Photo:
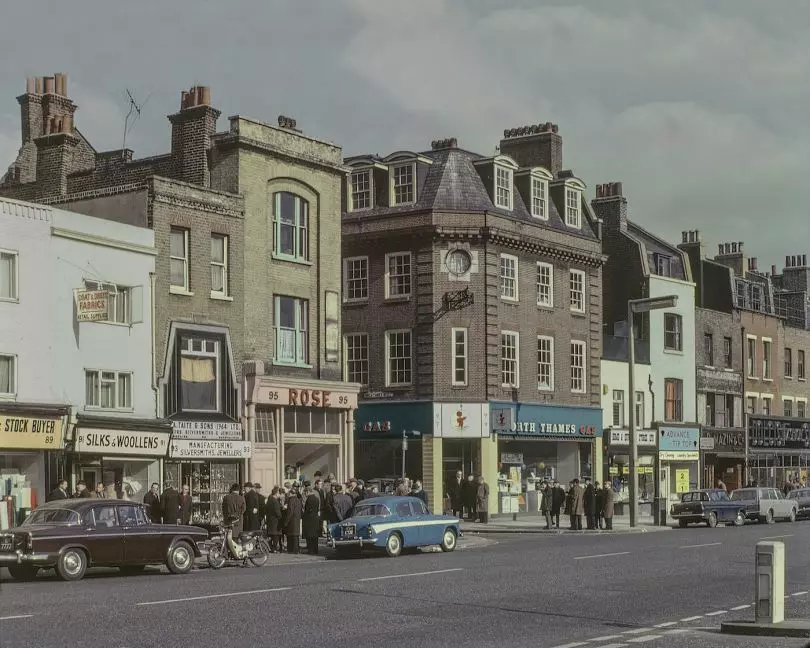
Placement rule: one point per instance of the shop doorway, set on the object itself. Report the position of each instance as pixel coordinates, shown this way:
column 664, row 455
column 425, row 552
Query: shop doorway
column 460, row 454
column 91, row 475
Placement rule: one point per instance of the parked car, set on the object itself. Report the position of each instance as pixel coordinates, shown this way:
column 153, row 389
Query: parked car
column 393, row 524
column 802, row 497
column 710, row 505
column 72, row 535
column 766, row 505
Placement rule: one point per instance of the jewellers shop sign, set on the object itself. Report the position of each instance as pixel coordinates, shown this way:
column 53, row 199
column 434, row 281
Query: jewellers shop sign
column 766, row 433
column 122, row 442
column 220, row 430
column 209, row 449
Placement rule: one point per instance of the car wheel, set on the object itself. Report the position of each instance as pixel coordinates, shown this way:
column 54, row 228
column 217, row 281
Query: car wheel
column 181, row 558
column 131, row 570
column 72, row 565
column 393, row 546
column 740, row 519
column 23, row 572
column 683, row 524
column 792, row 515
column 712, row 521
column 769, row 517
column 448, row 540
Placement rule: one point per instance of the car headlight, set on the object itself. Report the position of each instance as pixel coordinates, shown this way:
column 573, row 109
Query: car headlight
column 371, row 531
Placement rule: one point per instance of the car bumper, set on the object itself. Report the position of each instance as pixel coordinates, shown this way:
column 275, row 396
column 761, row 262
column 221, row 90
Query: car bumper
column 689, row 517
column 354, row 542
column 20, row 558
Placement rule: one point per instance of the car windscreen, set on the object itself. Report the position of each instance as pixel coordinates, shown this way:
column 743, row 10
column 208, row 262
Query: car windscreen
column 690, row 497
column 370, row 510
column 747, row 495
column 58, row 516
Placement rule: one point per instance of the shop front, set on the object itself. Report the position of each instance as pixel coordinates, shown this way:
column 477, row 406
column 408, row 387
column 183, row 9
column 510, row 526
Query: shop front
column 126, row 455
column 542, row 442
column 209, row 457
column 679, row 461
column 617, row 463
column 298, row 428
column 778, row 449
column 31, row 457
column 723, row 457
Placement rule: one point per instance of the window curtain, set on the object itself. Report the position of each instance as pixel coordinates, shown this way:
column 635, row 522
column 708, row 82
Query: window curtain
column 199, row 383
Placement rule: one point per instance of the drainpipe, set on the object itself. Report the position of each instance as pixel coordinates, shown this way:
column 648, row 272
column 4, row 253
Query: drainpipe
column 152, row 279
column 652, row 397
column 743, row 404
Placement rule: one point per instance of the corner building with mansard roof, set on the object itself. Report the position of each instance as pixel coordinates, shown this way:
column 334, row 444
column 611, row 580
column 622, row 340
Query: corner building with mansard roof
column 472, row 290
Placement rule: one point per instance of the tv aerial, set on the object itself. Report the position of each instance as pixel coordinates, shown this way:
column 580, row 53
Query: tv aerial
column 133, row 116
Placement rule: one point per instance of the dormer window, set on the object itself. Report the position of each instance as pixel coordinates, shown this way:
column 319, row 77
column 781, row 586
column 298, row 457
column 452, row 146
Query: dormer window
column 539, row 198
column 663, row 265
column 403, row 184
column 361, row 189
column 573, row 207
column 503, row 187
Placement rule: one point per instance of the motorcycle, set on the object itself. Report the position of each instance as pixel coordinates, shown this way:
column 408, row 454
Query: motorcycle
column 250, row 548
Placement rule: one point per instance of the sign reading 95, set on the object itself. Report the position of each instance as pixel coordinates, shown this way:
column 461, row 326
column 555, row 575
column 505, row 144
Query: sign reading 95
column 306, row 397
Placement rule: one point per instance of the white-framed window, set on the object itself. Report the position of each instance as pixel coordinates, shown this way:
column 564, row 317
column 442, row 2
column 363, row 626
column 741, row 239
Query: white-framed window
column 398, row 358
column 539, row 198
column 119, row 301
column 108, row 390
column 673, row 332
column 578, row 353
column 573, row 207
column 801, row 408
column 219, row 264
column 577, row 290
column 510, row 359
column 355, row 278
column 361, row 189
column 618, row 408
column 751, row 360
column 788, row 362
column 178, row 259
column 503, row 187
column 545, row 363
column 509, row 277
column 291, row 226
column 767, row 404
column 787, row 407
column 398, row 275
column 639, row 409
column 9, row 281
column 199, row 374
column 292, row 330
column 766, row 359
column 673, row 400
column 357, row 358
column 545, row 284
column 459, row 342
column 8, row 375
column 403, row 185
column 800, row 364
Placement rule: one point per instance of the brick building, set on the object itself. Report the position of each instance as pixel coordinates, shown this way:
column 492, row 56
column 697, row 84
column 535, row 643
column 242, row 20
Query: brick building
column 215, row 218
column 472, row 310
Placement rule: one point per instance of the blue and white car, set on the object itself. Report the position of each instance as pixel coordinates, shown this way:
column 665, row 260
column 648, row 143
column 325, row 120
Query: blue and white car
column 392, row 524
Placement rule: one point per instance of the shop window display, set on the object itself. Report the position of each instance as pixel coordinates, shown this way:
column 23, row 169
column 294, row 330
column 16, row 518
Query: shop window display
column 209, row 482
column 130, row 478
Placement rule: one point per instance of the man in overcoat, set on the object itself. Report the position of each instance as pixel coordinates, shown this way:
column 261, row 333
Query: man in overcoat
column 185, row 505
column 608, row 498
column 233, row 509
column 59, row 493
column 482, row 500
column 455, row 492
column 590, row 504
column 252, row 520
column 291, row 521
column 152, row 501
column 311, row 521
column 557, row 501
column 273, row 516
column 170, row 506
column 577, row 495
column 546, row 502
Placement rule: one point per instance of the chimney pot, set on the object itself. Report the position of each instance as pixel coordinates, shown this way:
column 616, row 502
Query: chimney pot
column 684, row 237
column 804, row 260
column 773, row 269
column 40, row 85
column 787, row 261
column 30, row 85
column 740, row 247
column 183, row 100
column 733, row 247
column 64, row 84
column 205, row 96
column 57, row 83
column 719, row 248
column 49, row 85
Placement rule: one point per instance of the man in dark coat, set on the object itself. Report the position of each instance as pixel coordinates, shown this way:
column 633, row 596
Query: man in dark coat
column 482, row 500
column 557, row 501
column 152, row 501
column 342, row 504
column 170, row 505
column 589, row 500
column 82, row 491
column 455, row 492
column 469, row 493
column 233, row 509
column 577, row 507
column 291, row 521
column 185, row 505
column 262, row 502
column 252, row 520
column 353, row 491
column 546, row 502
column 272, row 520
column 311, row 520
column 59, row 493
column 608, row 497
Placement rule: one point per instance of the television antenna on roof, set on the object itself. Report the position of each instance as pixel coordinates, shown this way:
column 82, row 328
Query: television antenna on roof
column 134, row 114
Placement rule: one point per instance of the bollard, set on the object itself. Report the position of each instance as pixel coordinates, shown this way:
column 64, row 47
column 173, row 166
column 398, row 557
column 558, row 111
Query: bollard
column 770, row 583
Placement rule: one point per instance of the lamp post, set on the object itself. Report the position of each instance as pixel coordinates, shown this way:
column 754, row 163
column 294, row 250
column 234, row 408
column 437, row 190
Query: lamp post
column 638, row 306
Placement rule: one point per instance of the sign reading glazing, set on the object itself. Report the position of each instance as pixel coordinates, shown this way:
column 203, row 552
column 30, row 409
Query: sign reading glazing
column 209, row 449
column 122, row 442
column 91, row 305
column 27, row 433
column 224, row 430
column 461, row 420
column 622, row 437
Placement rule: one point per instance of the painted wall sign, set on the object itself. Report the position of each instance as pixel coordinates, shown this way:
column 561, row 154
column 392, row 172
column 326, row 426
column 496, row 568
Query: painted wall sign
column 371, row 395
column 768, row 433
column 305, row 397
column 622, row 437
column 461, row 420
column 669, row 455
column 377, row 426
column 503, row 419
column 512, row 458
column 121, row 442
column 229, row 430
column 91, row 305
column 678, row 439
column 532, row 428
column 209, row 449
column 707, row 443
column 28, row 433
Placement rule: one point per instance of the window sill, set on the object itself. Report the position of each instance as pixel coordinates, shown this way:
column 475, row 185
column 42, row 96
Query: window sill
column 299, row 365
column 8, row 397
column 107, row 323
column 123, row 410
column 403, row 386
column 547, row 307
column 290, row 259
column 578, row 313
column 221, row 296
column 177, row 290
column 767, row 380
column 802, row 379
column 580, row 392
column 355, row 302
column 10, row 300
column 547, row 390
column 510, row 300
column 458, row 386
column 674, row 352
column 510, row 387
column 397, row 300
column 788, row 377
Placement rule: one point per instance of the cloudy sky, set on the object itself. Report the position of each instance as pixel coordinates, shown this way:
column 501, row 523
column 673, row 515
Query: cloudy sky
column 700, row 108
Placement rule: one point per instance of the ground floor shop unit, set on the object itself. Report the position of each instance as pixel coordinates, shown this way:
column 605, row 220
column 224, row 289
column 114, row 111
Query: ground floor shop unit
column 778, row 449
column 299, row 428
column 616, row 468
column 678, row 462
column 722, row 456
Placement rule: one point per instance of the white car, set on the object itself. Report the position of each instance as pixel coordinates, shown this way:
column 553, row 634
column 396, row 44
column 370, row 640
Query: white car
column 766, row 504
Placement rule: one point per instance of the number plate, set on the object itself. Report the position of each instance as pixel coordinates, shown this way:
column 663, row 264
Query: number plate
column 349, row 530
column 6, row 545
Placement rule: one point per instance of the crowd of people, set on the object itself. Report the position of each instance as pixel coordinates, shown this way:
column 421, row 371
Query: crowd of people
column 62, row 491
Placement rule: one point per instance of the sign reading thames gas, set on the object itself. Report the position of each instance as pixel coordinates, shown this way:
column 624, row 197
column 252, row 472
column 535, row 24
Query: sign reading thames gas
column 122, row 442
column 30, row 433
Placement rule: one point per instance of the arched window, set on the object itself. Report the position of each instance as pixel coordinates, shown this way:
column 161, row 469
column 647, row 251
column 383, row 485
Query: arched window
column 291, row 226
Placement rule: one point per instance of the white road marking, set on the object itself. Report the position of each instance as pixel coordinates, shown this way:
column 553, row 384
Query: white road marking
column 644, row 639
column 427, row 573
column 717, row 613
column 741, row 607
column 571, row 645
column 800, row 593
column 605, row 638
column 637, row 631
column 708, row 544
column 613, row 646
column 619, row 553
column 676, row 631
column 666, row 625
column 787, row 535
column 692, row 618
column 16, row 616
column 214, row 596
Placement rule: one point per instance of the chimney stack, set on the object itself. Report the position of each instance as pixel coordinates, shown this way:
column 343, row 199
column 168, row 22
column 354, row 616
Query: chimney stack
column 192, row 128
column 610, row 206
column 448, row 143
column 773, row 270
column 532, row 146
column 732, row 255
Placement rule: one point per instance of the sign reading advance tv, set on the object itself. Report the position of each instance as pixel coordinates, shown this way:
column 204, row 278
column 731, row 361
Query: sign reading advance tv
column 678, row 443
column 550, row 422
column 771, row 433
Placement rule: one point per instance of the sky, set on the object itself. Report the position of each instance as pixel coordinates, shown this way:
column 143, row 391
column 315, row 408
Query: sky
column 699, row 108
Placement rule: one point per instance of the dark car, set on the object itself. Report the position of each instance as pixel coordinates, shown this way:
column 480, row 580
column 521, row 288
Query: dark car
column 802, row 496
column 710, row 506
column 72, row 535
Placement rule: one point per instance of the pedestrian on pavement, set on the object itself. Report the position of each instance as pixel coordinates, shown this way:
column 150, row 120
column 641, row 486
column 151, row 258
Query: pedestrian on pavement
column 152, row 501
column 546, row 502
column 353, row 491
column 272, row 523
column 557, row 500
column 455, row 492
column 59, row 493
column 253, row 521
column 82, row 491
column 185, row 505
column 469, row 494
column 262, row 502
column 482, row 500
column 342, row 504
column 589, row 499
column 170, row 505
column 568, row 497
column 311, row 521
column 577, row 495
column 403, row 488
column 233, row 509
column 291, row 520
column 608, row 497
column 100, row 490
column 417, row 491
column 600, row 501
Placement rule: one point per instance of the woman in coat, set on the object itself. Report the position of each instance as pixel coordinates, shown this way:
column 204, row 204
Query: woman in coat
column 482, row 501
column 311, row 520
column 273, row 519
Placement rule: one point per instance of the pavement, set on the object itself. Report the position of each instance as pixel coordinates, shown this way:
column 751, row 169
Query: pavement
column 530, row 523
column 540, row 590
